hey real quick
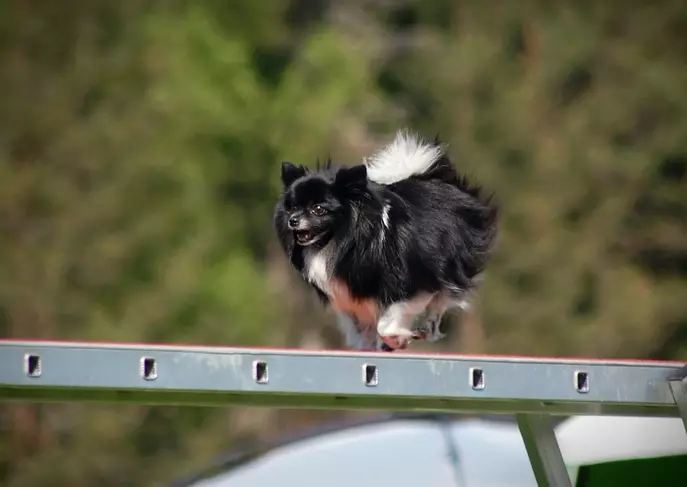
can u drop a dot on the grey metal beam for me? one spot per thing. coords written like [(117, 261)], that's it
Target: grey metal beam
[(542, 448), (54, 371)]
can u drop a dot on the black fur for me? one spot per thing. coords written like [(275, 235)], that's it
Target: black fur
[(441, 229)]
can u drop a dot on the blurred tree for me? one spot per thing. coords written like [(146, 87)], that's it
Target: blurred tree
[(137, 181)]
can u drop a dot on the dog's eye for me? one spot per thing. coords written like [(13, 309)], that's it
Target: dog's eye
[(318, 210)]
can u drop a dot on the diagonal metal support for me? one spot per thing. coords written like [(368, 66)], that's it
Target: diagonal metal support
[(542, 448), (678, 386)]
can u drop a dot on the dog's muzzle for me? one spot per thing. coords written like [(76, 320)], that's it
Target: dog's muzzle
[(294, 222)]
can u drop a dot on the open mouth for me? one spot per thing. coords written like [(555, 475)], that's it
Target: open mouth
[(306, 237)]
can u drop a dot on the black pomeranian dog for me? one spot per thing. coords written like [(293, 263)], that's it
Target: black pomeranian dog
[(382, 242)]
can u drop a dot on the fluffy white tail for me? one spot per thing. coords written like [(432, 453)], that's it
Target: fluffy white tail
[(406, 156)]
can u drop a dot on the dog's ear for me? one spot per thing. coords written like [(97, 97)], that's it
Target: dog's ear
[(352, 177), (290, 172)]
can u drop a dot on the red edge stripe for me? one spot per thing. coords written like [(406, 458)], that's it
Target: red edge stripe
[(350, 352)]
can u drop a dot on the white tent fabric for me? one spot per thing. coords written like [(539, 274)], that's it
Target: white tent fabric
[(588, 440)]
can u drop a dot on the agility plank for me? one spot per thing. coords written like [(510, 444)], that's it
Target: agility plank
[(163, 374), (532, 389)]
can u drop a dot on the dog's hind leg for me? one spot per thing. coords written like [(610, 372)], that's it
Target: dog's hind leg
[(430, 328)]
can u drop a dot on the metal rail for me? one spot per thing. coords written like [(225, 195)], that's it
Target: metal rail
[(530, 388)]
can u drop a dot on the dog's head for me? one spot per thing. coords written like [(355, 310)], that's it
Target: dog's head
[(316, 204)]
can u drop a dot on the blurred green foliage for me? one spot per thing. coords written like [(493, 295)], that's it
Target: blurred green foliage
[(139, 152)]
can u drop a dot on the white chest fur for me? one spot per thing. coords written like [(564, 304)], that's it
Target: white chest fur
[(317, 268)]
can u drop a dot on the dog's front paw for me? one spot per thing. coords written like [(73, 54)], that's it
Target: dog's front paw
[(393, 342)]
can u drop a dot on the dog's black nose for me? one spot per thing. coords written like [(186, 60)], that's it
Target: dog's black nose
[(293, 222)]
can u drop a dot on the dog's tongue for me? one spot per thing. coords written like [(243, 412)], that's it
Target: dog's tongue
[(303, 235)]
